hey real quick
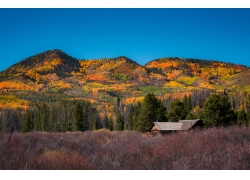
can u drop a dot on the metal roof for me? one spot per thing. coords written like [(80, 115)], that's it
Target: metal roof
[(172, 126), (188, 124), (165, 126)]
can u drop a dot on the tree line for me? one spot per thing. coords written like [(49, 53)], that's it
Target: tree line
[(214, 109)]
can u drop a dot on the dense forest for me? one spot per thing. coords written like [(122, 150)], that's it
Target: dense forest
[(215, 109)]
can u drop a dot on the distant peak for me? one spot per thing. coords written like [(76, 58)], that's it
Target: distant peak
[(57, 51)]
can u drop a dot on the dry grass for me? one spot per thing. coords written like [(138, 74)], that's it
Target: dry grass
[(217, 148)]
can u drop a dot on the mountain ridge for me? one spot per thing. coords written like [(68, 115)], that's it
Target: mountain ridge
[(157, 59), (54, 74)]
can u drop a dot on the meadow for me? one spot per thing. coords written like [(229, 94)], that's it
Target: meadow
[(212, 149)]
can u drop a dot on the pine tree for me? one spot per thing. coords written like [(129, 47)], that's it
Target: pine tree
[(95, 122), (44, 117), (242, 117), (78, 117), (130, 122), (51, 120), (152, 110), (37, 121), (248, 117), (218, 111), (177, 111), (28, 124), (189, 103), (1, 123), (110, 124), (118, 101), (119, 122), (185, 103), (85, 115)]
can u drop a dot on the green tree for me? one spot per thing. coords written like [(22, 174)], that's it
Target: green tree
[(110, 124), (242, 117), (37, 121), (118, 101), (130, 122), (185, 103), (1, 123), (189, 104), (85, 115), (218, 111), (133, 114), (177, 111), (248, 117), (44, 117), (51, 119), (78, 117), (119, 122), (190, 116), (28, 123), (95, 123), (152, 110)]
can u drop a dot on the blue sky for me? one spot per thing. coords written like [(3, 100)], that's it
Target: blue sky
[(140, 34)]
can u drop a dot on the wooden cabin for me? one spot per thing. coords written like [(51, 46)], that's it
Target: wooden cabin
[(169, 127)]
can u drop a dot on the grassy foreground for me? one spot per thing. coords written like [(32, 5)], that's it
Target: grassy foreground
[(217, 148)]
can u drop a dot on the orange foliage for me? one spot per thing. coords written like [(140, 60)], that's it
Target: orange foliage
[(95, 77), (177, 95), (15, 86)]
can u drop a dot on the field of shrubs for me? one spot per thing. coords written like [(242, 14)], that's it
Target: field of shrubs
[(216, 149)]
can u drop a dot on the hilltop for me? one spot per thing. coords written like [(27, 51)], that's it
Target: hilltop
[(55, 75)]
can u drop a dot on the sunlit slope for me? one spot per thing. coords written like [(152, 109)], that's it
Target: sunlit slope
[(196, 73), (54, 75)]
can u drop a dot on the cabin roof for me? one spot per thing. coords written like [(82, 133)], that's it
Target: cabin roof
[(164, 126), (173, 126), (188, 124)]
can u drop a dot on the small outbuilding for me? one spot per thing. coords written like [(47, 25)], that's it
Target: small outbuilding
[(182, 125)]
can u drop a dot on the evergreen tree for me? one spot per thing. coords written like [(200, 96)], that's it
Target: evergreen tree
[(65, 117), (190, 116), (44, 117), (189, 104), (1, 123), (51, 120), (118, 101), (119, 122), (110, 125), (95, 122), (85, 115), (78, 117), (130, 122), (28, 124), (248, 117), (185, 103), (37, 121), (177, 111), (161, 112), (242, 117), (218, 111), (152, 110)]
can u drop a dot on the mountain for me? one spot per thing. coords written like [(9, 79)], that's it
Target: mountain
[(47, 63), (198, 73), (54, 75)]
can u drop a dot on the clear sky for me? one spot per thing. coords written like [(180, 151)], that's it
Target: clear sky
[(140, 34)]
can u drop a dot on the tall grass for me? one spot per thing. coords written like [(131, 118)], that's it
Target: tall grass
[(217, 148)]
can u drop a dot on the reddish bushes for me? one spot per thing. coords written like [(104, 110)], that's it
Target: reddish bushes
[(217, 148)]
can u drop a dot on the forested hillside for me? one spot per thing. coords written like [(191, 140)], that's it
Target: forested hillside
[(55, 92)]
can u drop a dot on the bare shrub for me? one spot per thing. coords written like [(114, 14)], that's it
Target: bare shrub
[(216, 148)]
